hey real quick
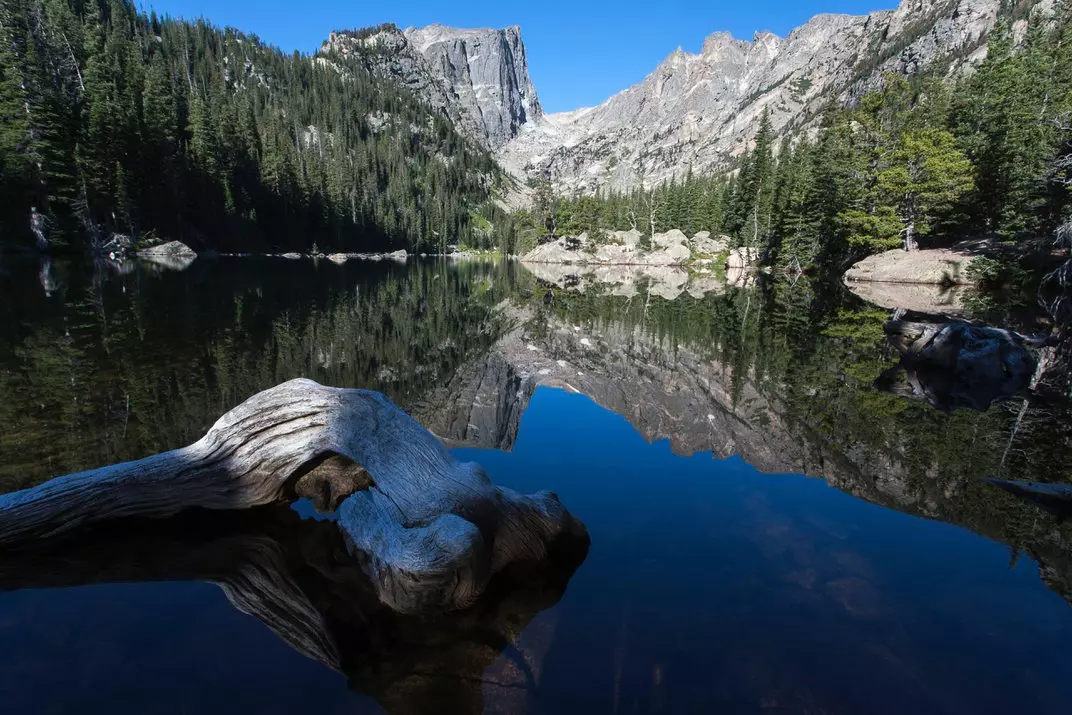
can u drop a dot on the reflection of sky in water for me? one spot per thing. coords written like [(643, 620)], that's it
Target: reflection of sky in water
[(708, 587), (709, 583)]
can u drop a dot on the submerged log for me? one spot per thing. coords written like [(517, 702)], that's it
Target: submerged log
[(428, 530)]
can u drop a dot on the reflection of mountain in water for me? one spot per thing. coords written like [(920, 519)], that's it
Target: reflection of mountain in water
[(116, 369), (728, 376)]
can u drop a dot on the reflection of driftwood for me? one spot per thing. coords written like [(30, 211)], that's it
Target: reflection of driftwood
[(429, 530), (1054, 498), (296, 577), (955, 365), (1055, 295)]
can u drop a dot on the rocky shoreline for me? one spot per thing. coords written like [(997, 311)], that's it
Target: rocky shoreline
[(629, 248)]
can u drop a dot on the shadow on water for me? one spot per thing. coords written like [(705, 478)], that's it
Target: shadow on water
[(296, 577)]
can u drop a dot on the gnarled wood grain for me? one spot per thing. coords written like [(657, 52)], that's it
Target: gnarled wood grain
[(429, 531)]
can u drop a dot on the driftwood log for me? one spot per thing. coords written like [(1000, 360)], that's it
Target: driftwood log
[(429, 531), (296, 577)]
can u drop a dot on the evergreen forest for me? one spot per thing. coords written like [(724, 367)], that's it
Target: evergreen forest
[(117, 121)]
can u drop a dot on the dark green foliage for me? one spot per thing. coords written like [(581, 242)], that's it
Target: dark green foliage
[(112, 120)]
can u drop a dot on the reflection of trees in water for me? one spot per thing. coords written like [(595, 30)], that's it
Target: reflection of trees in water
[(814, 354), (133, 365), (139, 364)]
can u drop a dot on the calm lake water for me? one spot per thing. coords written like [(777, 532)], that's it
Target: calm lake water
[(770, 532)]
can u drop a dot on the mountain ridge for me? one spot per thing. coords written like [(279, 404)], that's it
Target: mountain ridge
[(696, 111), (478, 77)]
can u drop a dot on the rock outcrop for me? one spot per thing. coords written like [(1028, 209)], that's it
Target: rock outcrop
[(479, 78), (742, 259), (487, 70), (698, 110), (173, 255), (937, 266), (958, 365), (626, 248)]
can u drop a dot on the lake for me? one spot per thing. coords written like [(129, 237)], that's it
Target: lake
[(770, 531)]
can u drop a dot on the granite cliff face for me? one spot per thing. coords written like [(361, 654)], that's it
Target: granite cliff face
[(479, 78), (487, 71), (698, 110), (695, 111)]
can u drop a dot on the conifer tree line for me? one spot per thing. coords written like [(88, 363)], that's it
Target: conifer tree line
[(917, 160), (112, 120)]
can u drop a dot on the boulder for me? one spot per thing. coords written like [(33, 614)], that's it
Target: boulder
[(399, 255), (169, 249), (629, 238), (568, 249), (704, 244), (614, 253), (740, 277), (554, 252), (118, 244), (667, 282), (670, 239), (936, 266), (916, 297), (742, 258), (954, 365), (669, 249), (561, 275), (174, 255)]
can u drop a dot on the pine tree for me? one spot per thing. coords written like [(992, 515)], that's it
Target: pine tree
[(928, 176)]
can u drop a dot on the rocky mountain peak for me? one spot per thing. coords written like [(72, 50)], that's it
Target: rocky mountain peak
[(479, 78), (699, 111), (721, 42), (487, 70)]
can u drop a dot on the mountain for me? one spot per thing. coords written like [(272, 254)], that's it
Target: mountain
[(479, 78), (671, 387), (699, 110), (116, 121)]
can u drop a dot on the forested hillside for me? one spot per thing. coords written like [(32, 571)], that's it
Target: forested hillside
[(112, 120), (919, 160)]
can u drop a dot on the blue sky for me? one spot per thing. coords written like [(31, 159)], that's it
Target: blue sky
[(580, 51)]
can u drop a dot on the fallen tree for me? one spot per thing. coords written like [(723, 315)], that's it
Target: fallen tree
[(429, 531)]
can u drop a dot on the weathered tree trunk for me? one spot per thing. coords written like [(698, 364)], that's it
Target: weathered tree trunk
[(430, 531), (910, 242)]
